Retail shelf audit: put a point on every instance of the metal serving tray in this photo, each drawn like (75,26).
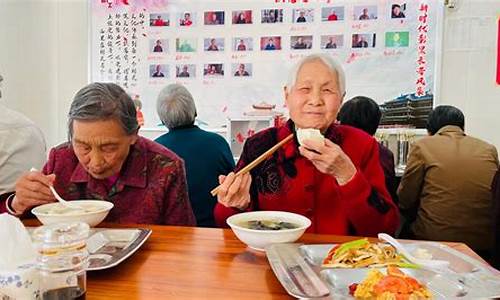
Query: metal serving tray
(298,268)
(108,247)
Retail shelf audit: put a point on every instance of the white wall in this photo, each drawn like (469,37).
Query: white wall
(468,66)
(43,58)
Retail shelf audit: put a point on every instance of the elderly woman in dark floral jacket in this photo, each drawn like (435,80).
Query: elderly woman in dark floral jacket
(337,183)
(106,159)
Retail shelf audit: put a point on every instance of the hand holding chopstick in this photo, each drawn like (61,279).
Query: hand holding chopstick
(258,160)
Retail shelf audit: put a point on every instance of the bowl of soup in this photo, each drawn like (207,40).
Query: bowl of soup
(92,212)
(259,229)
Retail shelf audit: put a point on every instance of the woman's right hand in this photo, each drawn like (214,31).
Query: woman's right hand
(32,189)
(234,190)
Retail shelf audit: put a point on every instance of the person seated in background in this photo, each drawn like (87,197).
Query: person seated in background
(106,159)
(241,71)
(396,12)
(495,188)
(158,47)
(205,154)
(337,182)
(445,192)
(22,147)
(364,113)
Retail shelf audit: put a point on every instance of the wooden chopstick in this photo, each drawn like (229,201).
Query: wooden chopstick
(258,160)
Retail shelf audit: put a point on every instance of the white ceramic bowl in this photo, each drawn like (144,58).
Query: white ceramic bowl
(259,239)
(46,215)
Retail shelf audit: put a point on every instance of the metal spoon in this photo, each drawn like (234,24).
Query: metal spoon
(429,263)
(68,204)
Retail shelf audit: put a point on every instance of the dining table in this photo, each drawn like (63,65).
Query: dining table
(198,263)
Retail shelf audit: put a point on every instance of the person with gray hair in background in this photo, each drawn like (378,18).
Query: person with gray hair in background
(22,146)
(336,181)
(105,159)
(206,154)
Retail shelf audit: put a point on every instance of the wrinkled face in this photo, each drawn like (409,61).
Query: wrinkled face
(101,146)
(315,98)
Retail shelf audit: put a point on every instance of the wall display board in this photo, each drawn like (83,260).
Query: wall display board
(232,54)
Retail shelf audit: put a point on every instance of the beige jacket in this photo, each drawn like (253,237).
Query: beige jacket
(446,187)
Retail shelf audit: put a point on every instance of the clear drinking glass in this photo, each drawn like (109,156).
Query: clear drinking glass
(62,260)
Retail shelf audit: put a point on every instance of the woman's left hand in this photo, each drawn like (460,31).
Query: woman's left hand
(329,158)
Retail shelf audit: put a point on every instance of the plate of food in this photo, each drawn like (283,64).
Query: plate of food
(354,254)
(391,283)
(339,270)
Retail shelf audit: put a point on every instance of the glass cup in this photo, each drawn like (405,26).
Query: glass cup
(62,260)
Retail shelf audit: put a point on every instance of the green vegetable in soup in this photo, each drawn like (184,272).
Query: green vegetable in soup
(268,225)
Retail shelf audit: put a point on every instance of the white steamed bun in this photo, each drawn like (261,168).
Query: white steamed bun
(309,134)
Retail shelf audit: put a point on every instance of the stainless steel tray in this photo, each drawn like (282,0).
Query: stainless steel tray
(298,268)
(108,247)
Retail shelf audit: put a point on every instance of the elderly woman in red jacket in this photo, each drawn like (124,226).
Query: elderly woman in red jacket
(338,183)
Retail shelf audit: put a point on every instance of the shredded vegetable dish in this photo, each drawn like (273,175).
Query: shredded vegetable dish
(361,253)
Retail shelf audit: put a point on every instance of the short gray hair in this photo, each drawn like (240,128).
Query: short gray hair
(175,106)
(102,101)
(328,60)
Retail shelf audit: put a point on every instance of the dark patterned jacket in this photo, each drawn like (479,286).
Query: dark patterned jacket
(151,187)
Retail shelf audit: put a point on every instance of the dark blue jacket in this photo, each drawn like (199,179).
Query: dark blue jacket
(206,156)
